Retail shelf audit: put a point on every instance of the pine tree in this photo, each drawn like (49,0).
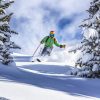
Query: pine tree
(89,61)
(6,45)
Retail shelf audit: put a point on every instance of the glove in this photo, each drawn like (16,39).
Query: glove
(62,46)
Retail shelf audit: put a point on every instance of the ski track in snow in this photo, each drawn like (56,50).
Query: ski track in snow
(51,76)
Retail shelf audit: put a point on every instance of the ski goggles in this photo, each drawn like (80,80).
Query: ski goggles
(52,35)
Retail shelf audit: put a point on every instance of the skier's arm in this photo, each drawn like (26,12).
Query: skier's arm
(56,43)
(43,40)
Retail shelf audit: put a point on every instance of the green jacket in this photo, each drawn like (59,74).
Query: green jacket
(49,41)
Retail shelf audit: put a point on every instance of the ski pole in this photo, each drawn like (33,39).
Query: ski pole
(36,50)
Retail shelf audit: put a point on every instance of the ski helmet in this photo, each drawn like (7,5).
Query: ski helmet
(52,32)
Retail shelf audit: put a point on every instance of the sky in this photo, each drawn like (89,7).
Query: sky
(34,19)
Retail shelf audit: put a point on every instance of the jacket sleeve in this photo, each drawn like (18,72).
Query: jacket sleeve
(44,39)
(56,43)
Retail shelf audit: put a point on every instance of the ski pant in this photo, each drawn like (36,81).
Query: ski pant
(46,51)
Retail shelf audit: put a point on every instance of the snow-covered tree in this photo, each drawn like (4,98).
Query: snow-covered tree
(89,60)
(6,45)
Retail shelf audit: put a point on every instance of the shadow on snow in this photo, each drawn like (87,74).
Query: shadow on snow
(68,84)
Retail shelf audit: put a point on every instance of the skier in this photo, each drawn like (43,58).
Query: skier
(48,42)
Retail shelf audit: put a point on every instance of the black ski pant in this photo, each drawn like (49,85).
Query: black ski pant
(46,51)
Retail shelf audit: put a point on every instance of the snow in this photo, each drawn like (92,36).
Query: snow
(1,43)
(95,67)
(27,92)
(59,56)
(87,57)
(90,33)
(44,81)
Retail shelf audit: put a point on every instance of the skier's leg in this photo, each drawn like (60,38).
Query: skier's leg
(49,51)
(44,51)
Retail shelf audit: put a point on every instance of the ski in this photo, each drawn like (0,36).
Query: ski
(38,60)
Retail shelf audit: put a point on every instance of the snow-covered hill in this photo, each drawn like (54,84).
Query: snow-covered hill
(44,81)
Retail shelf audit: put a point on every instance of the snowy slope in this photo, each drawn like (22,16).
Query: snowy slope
(44,81)
(60,56)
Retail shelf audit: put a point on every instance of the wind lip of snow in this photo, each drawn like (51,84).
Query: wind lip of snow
(47,74)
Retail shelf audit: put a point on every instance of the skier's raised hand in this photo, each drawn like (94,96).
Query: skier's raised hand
(62,46)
